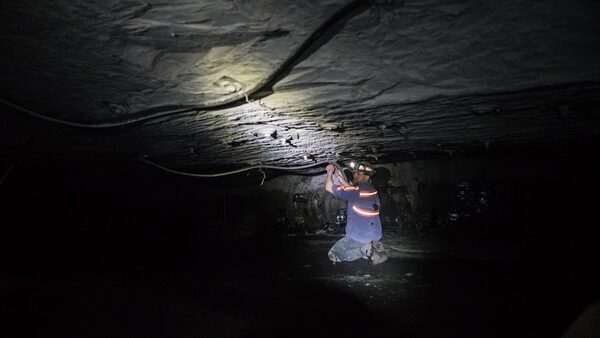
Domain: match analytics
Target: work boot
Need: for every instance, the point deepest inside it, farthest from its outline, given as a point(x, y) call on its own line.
point(367, 250)
point(378, 254)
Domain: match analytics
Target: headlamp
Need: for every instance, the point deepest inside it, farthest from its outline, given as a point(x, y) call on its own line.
point(361, 166)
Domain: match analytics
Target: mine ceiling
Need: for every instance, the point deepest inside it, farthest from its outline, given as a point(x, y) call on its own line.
point(198, 85)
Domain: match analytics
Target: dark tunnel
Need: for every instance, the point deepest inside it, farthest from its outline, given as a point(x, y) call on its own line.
point(164, 168)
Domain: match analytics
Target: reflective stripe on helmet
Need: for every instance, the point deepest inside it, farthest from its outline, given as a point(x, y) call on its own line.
point(364, 212)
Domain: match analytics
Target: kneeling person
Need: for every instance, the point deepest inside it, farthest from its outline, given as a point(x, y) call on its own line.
point(363, 227)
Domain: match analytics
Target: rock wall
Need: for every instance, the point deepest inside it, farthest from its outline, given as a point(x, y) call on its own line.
point(548, 193)
point(501, 194)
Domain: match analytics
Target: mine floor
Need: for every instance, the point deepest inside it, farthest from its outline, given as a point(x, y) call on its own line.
point(286, 287)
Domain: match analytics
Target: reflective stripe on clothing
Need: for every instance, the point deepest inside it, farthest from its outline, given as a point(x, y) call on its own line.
point(341, 187)
point(366, 194)
point(365, 212)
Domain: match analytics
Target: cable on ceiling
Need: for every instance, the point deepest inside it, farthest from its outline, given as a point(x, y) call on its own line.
point(260, 167)
point(91, 125)
point(242, 98)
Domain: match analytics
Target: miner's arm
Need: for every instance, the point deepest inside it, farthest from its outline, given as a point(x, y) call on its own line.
point(329, 180)
point(339, 174)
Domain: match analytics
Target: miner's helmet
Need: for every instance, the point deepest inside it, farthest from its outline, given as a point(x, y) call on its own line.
point(361, 166)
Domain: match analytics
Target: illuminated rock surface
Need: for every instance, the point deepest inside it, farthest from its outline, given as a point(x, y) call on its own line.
point(375, 80)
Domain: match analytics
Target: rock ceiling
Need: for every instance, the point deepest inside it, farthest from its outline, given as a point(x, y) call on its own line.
point(196, 85)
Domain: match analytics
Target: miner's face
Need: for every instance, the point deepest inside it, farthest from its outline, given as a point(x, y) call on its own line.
point(360, 177)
